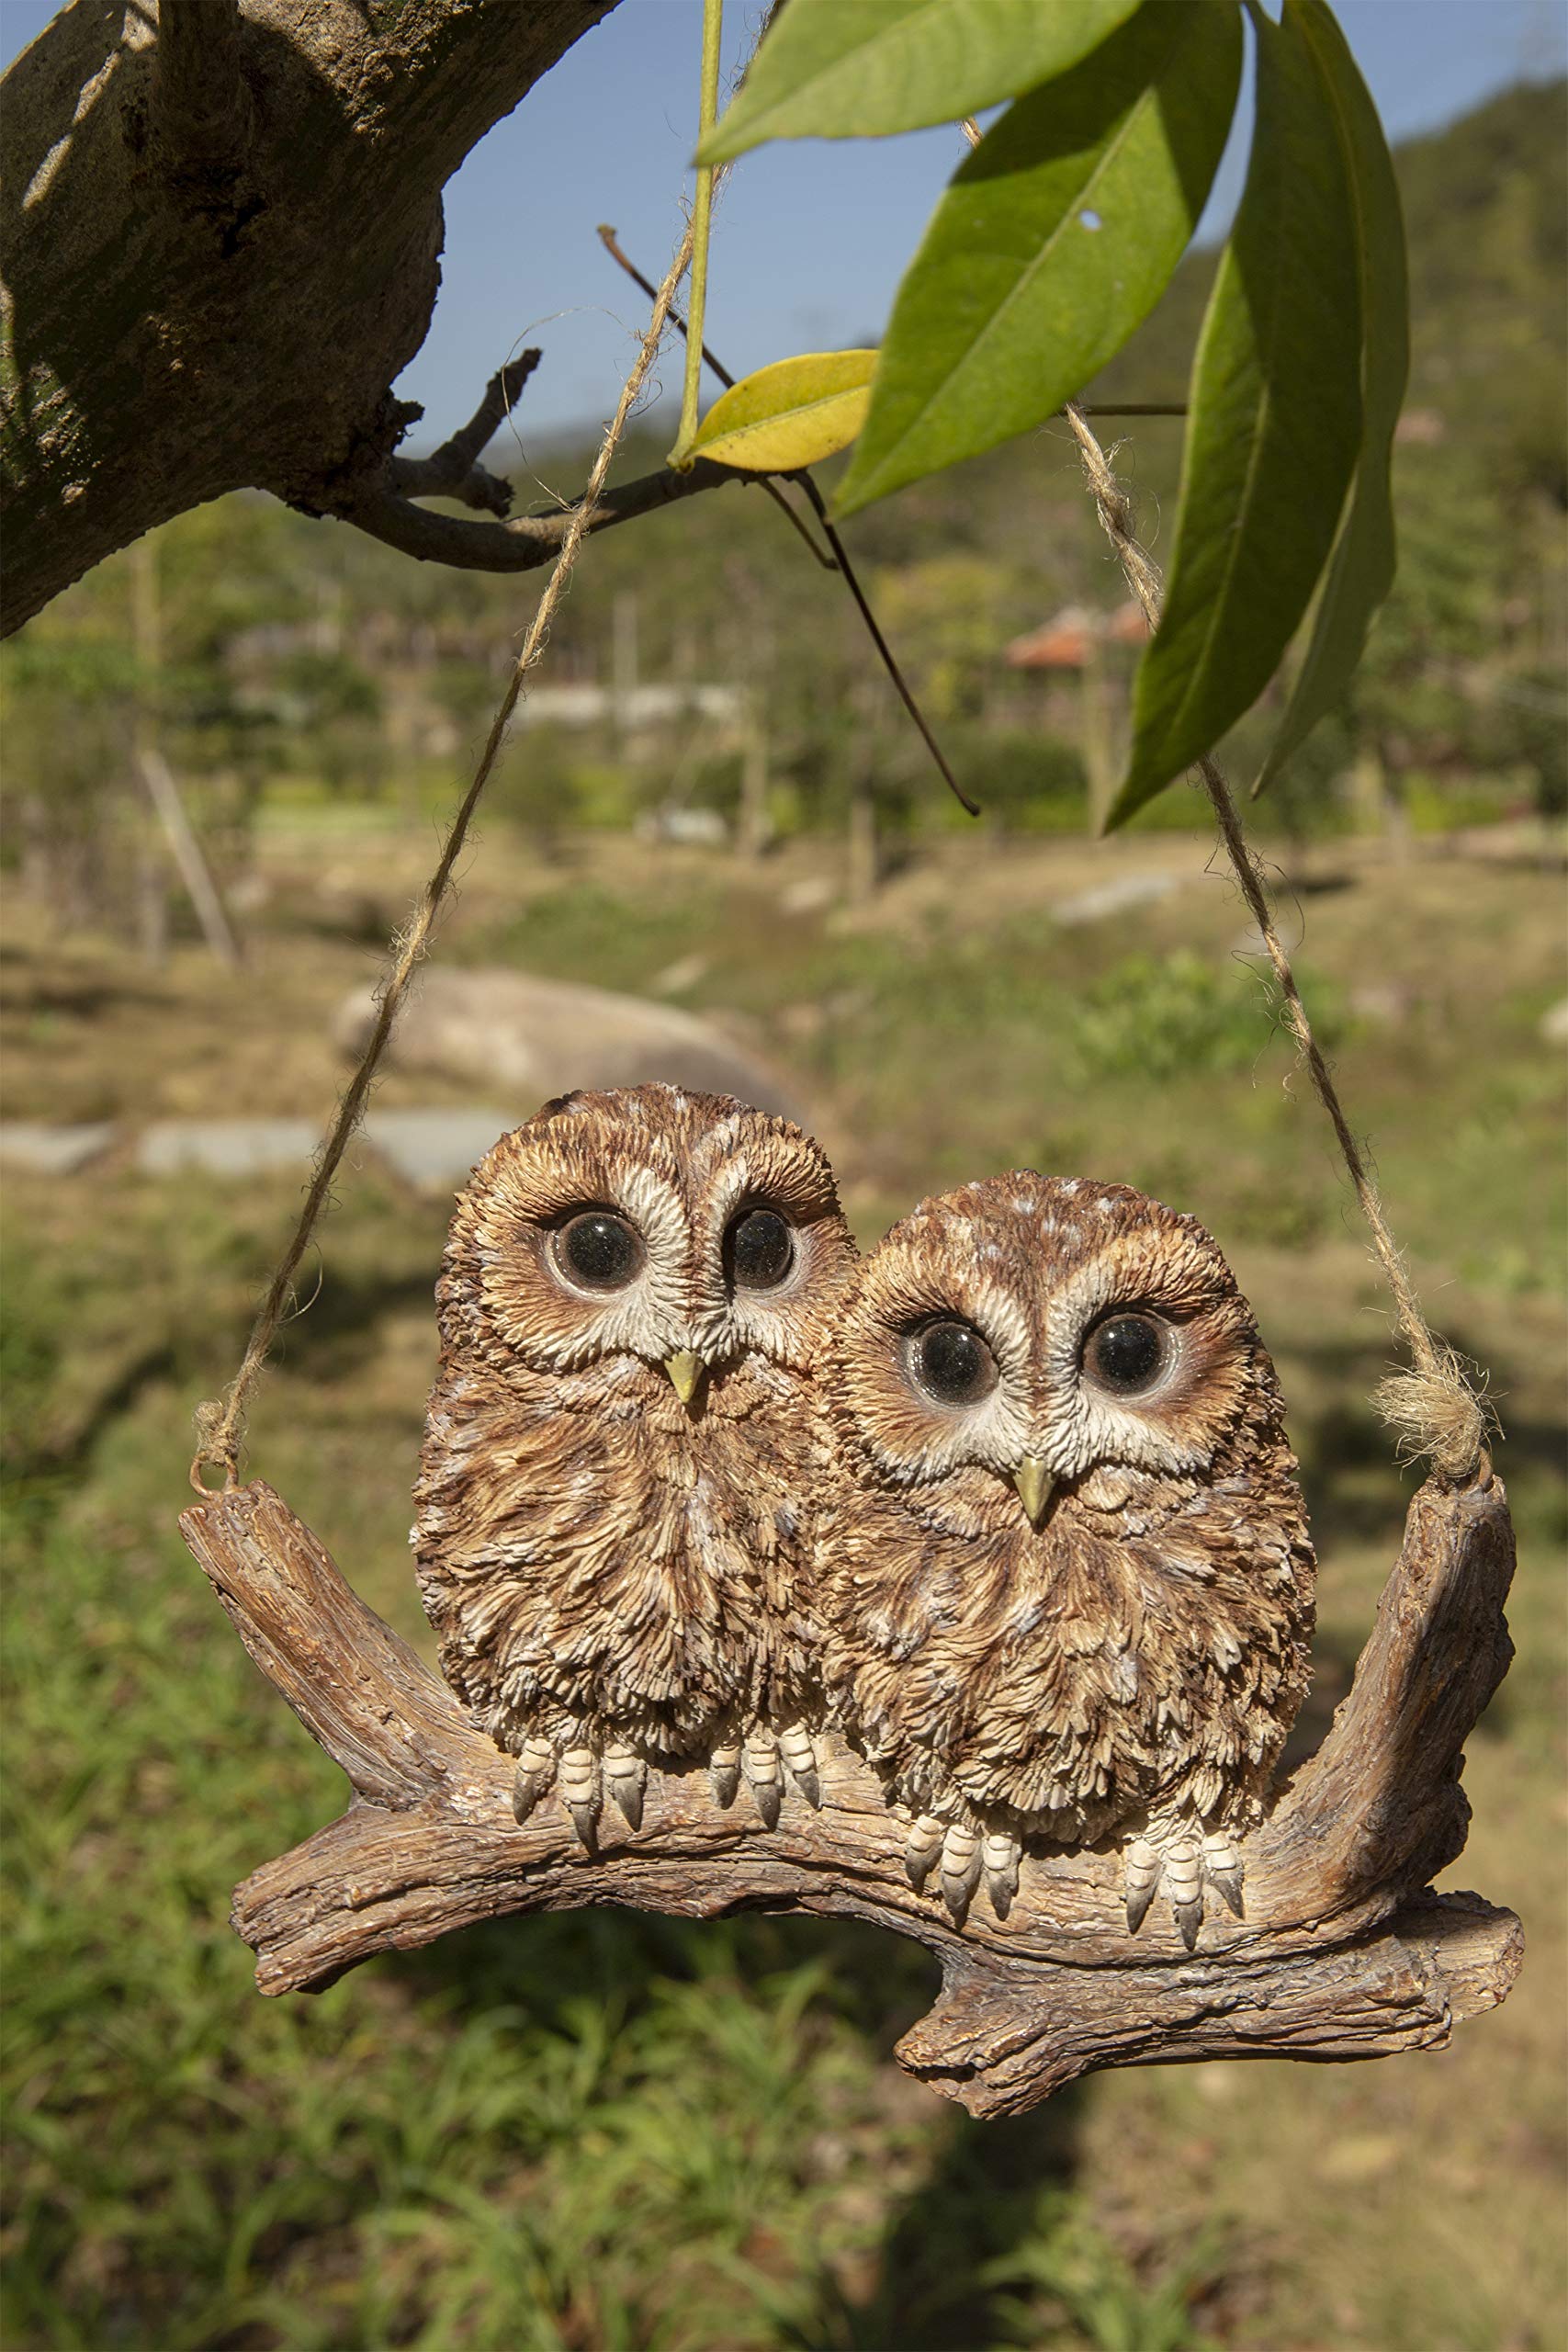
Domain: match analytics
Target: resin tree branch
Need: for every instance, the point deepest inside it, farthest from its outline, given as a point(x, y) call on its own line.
point(1344, 1951)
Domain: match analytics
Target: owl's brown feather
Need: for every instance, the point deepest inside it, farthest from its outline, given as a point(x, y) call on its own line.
point(601, 1562)
point(1144, 1649)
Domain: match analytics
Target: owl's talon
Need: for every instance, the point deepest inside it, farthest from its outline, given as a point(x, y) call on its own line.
point(999, 1861)
point(1222, 1868)
point(760, 1761)
point(800, 1751)
point(579, 1793)
point(724, 1775)
point(922, 1848)
point(1140, 1880)
point(1176, 1856)
point(626, 1777)
point(960, 1869)
point(535, 1772)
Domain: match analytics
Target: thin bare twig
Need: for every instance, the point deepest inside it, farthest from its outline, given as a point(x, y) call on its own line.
point(527, 541)
point(769, 482)
point(454, 471)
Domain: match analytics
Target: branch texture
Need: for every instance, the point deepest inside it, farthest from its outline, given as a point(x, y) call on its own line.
point(1344, 1952)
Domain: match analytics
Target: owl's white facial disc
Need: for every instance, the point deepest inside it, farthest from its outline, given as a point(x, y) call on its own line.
point(771, 1247)
point(1112, 1332)
point(642, 1224)
point(534, 1291)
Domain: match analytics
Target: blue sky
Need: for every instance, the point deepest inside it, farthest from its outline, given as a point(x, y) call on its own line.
point(810, 238)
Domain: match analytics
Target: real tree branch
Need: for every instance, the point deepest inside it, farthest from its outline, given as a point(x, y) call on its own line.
point(201, 108)
point(526, 542)
point(1344, 1951)
point(219, 250)
point(454, 471)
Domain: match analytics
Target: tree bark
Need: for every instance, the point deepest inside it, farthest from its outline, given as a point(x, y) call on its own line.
point(1344, 1951)
point(220, 227)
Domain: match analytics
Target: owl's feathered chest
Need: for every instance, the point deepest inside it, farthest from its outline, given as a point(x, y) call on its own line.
point(1064, 1678)
point(598, 1549)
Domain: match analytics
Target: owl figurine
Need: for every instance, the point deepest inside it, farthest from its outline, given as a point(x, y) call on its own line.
point(1063, 1554)
point(611, 1535)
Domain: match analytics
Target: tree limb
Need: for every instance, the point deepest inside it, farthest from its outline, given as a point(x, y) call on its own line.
point(454, 471)
point(201, 110)
point(526, 542)
point(1344, 1951)
point(220, 246)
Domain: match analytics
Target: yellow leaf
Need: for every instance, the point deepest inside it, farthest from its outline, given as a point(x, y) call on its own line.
point(789, 414)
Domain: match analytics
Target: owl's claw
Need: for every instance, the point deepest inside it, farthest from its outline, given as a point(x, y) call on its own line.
point(966, 1859)
point(724, 1773)
point(998, 1862)
point(1184, 1861)
point(1141, 1872)
point(922, 1848)
point(1222, 1868)
point(960, 1869)
point(799, 1752)
point(760, 1761)
point(579, 1793)
point(535, 1772)
point(626, 1777)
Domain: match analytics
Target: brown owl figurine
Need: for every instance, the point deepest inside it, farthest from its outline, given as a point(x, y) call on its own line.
point(610, 1529)
point(1062, 1552)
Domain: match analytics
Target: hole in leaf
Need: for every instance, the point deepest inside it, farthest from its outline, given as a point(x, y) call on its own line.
point(1091, 220)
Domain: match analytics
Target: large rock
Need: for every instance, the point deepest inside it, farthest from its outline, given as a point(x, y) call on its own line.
point(530, 1039)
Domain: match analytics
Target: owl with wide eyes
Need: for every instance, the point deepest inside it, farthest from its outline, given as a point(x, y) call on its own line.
point(611, 1534)
point(1063, 1559)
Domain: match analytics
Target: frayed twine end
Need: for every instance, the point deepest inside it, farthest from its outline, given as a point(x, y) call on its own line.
point(215, 1446)
point(1437, 1416)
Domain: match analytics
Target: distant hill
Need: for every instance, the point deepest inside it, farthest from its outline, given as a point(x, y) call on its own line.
point(1486, 222)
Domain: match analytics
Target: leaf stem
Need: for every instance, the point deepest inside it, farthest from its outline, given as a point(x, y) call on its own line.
point(611, 243)
point(702, 213)
point(820, 508)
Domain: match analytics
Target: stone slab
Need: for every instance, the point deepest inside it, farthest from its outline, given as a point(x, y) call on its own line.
point(53, 1152)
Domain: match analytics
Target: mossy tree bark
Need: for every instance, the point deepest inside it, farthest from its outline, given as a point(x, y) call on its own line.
point(220, 229)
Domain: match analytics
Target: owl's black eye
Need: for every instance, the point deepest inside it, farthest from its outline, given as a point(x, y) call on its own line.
point(1126, 1352)
point(952, 1363)
point(760, 1250)
point(599, 1249)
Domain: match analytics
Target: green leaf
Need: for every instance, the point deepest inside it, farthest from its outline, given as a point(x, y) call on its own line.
point(852, 69)
point(1054, 240)
point(1274, 427)
point(1363, 570)
point(789, 414)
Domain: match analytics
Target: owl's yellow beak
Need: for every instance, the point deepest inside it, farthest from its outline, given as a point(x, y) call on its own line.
point(1035, 1486)
point(685, 1370)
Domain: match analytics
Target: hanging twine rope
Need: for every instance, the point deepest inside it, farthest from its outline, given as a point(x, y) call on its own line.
point(1433, 1409)
point(220, 1423)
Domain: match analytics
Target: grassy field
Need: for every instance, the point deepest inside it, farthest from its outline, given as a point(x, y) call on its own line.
point(607, 2133)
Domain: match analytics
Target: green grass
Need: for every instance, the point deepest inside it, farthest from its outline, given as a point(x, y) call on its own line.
point(608, 2133)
